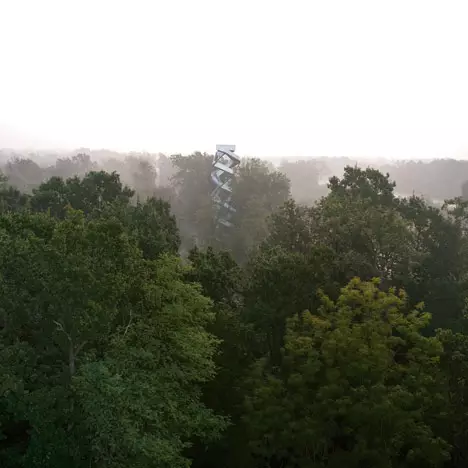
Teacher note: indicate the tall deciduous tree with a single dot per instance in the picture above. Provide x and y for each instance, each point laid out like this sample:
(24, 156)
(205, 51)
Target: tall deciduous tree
(193, 205)
(257, 192)
(358, 386)
(360, 222)
(103, 353)
(93, 192)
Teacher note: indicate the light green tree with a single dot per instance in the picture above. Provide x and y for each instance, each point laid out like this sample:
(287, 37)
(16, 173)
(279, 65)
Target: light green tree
(358, 386)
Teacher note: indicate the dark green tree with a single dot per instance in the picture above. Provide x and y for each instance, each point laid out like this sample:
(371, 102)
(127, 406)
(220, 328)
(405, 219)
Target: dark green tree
(358, 386)
(103, 353)
(92, 193)
(154, 227)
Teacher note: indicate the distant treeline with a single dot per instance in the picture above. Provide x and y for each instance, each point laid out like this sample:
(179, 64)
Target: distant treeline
(184, 182)
(436, 180)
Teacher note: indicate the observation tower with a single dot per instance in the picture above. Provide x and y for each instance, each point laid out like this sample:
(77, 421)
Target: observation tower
(222, 174)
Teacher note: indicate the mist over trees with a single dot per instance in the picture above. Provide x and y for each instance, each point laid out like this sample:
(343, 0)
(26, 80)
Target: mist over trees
(326, 328)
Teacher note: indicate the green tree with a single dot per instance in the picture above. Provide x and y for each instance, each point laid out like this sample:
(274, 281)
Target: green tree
(455, 366)
(358, 386)
(103, 353)
(292, 228)
(359, 220)
(257, 192)
(193, 205)
(154, 227)
(438, 274)
(141, 402)
(280, 283)
(222, 280)
(11, 199)
(364, 183)
(96, 190)
(218, 274)
(51, 196)
(284, 275)
(91, 193)
(78, 165)
(24, 174)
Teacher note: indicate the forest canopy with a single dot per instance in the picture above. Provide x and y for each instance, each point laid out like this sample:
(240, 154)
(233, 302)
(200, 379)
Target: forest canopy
(326, 328)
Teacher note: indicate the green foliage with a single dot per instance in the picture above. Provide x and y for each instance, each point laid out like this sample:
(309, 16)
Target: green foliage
(11, 199)
(103, 352)
(257, 192)
(367, 184)
(193, 206)
(93, 192)
(78, 165)
(141, 401)
(155, 228)
(218, 274)
(455, 365)
(259, 349)
(222, 280)
(439, 268)
(371, 241)
(359, 221)
(24, 174)
(291, 227)
(356, 387)
(280, 284)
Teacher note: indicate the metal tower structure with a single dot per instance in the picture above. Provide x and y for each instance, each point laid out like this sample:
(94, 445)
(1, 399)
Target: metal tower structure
(222, 173)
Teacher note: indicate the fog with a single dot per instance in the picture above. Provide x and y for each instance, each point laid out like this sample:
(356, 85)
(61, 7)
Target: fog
(278, 79)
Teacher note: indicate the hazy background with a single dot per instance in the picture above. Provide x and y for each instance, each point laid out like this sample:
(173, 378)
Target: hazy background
(277, 78)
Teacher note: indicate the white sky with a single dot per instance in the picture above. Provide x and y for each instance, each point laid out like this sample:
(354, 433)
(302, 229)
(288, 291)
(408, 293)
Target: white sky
(290, 77)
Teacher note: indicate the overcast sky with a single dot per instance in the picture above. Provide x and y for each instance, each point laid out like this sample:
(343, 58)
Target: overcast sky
(289, 77)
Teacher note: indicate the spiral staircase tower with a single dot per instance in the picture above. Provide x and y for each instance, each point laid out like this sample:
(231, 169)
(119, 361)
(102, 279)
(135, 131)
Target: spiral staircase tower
(222, 174)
